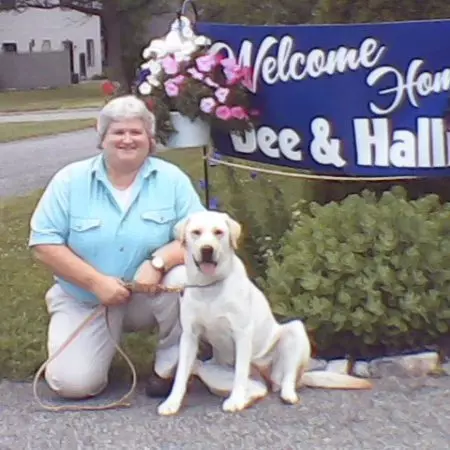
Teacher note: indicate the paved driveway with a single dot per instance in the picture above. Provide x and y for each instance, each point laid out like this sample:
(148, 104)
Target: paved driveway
(46, 115)
(29, 164)
(412, 414)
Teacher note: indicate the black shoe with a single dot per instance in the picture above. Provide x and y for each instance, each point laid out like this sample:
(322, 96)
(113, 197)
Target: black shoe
(205, 351)
(157, 387)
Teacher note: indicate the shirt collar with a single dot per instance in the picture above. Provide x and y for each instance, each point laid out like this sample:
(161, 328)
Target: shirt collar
(99, 168)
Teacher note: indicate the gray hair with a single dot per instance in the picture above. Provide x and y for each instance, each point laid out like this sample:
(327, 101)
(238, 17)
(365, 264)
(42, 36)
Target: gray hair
(124, 107)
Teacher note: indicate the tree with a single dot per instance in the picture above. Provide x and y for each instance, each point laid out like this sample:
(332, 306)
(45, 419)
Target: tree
(257, 12)
(362, 11)
(123, 25)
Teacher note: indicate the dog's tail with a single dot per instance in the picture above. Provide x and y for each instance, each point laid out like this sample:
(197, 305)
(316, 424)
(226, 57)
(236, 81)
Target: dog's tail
(333, 380)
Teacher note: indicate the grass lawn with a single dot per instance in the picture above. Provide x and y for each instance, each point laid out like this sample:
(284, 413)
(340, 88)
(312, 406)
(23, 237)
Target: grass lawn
(22, 130)
(82, 95)
(23, 283)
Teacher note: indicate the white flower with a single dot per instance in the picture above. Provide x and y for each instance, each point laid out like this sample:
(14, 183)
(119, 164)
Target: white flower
(180, 57)
(145, 88)
(202, 41)
(158, 46)
(146, 53)
(154, 67)
(152, 81)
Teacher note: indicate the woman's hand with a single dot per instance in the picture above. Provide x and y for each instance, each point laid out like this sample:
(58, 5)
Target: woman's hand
(111, 291)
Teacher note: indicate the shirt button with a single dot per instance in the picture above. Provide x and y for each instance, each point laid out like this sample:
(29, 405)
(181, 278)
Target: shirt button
(121, 249)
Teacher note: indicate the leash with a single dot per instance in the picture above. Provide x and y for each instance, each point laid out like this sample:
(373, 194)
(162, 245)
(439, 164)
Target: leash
(123, 402)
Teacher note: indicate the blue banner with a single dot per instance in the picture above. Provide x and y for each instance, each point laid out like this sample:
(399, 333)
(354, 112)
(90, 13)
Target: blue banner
(359, 100)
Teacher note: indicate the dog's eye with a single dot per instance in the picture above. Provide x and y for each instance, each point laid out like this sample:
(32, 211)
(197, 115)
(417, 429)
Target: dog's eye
(196, 232)
(218, 233)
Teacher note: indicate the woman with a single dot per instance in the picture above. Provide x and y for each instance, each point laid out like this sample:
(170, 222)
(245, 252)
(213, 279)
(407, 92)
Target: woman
(106, 219)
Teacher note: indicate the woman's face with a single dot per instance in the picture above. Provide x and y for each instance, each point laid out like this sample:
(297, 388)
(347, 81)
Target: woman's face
(126, 143)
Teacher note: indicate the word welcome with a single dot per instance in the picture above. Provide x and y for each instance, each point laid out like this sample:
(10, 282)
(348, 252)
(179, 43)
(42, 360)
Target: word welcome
(288, 65)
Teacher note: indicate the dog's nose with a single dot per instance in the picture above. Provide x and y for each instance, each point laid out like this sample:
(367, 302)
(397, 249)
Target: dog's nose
(207, 253)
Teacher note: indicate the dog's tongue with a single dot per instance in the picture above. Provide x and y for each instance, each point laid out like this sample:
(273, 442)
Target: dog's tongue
(208, 268)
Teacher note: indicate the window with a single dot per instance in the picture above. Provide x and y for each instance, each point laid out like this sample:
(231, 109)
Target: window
(10, 47)
(90, 52)
(7, 4)
(46, 45)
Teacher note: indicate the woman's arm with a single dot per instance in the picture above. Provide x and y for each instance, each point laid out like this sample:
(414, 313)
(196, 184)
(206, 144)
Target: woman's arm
(66, 264)
(48, 236)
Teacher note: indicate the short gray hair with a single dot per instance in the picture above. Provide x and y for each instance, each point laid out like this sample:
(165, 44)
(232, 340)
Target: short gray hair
(124, 107)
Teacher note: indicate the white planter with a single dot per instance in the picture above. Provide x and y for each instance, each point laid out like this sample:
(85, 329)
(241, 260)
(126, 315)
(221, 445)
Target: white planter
(188, 133)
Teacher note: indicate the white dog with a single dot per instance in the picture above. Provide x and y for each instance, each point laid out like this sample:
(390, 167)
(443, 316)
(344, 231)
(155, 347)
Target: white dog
(250, 348)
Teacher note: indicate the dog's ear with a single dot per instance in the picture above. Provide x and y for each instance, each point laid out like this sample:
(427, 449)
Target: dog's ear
(235, 230)
(179, 230)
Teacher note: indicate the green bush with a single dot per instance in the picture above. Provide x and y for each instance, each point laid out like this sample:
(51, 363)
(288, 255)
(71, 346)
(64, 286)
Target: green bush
(263, 205)
(369, 275)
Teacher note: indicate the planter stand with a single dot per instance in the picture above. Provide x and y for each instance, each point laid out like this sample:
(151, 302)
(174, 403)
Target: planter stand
(188, 134)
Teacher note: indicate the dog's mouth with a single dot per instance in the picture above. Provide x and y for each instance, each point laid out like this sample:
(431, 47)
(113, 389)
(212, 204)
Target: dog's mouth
(206, 264)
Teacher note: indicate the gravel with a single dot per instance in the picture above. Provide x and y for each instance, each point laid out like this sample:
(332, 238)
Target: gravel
(397, 414)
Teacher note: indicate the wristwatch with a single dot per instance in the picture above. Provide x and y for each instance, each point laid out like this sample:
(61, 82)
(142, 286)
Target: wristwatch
(158, 263)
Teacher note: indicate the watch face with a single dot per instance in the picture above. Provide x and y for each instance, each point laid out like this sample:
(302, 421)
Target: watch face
(158, 263)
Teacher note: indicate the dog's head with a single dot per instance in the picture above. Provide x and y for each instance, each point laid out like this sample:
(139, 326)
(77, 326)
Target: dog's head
(210, 239)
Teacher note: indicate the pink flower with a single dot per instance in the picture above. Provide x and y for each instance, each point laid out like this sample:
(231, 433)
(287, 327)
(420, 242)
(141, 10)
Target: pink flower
(178, 79)
(238, 112)
(247, 78)
(207, 104)
(222, 94)
(206, 63)
(223, 112)
(172, 89)
(228, 63)
(233, 75)
(195, 74)
(170, 65)
(210, 82)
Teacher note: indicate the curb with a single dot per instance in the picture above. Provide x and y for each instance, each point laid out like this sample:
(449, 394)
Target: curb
(411, 365)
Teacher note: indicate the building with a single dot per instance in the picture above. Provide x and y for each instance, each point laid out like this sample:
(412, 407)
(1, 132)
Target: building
(53, 30)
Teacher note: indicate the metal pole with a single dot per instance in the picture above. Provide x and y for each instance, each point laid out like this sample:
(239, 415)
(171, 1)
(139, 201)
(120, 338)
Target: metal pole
(182, 11)
(206, 175)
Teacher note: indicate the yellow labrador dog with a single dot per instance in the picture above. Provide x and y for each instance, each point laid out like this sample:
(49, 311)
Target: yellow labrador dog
(251, 350)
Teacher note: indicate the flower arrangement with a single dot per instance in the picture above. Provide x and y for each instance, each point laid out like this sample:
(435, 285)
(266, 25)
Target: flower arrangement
(181, 74)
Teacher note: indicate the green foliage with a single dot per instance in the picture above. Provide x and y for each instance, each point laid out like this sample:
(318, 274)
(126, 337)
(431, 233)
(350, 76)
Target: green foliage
(257, 12)
(266, 12)
(262, 204)
(353, 11)
(366, 273)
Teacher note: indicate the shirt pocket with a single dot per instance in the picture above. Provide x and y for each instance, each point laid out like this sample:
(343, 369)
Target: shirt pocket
(158, 225)
(85, 236)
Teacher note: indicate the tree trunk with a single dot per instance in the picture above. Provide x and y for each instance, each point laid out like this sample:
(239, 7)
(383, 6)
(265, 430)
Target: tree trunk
(112, 25)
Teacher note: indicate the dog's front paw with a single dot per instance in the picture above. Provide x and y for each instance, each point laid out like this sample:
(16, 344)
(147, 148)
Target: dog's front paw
(289, 396)
(169, 407)
(234, 403)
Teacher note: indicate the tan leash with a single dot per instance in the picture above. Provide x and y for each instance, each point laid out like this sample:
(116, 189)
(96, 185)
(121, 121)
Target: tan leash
(124, 401)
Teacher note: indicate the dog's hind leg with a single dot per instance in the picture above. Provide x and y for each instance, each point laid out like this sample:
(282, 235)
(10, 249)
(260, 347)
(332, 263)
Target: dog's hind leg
(219, 379)
(292, 354)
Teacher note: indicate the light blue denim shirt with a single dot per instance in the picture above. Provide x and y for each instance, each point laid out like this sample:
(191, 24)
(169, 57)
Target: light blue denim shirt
(77, 209)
